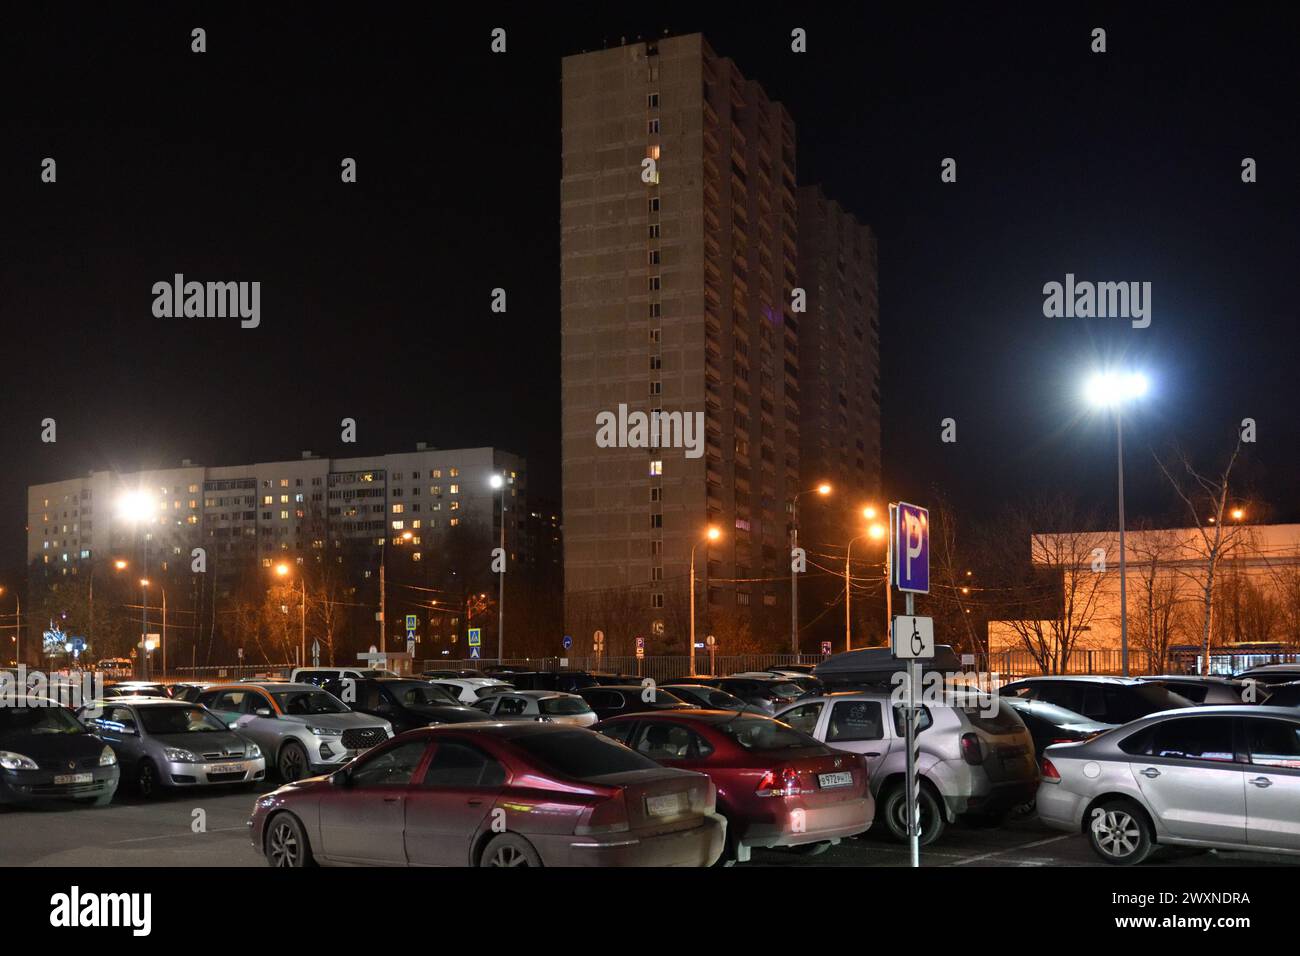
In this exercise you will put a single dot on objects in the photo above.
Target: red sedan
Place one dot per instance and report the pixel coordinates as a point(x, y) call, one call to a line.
point(777, 787)
point(494, 794)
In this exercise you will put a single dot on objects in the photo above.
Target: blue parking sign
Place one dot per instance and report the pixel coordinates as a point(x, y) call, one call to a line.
point(911, 548)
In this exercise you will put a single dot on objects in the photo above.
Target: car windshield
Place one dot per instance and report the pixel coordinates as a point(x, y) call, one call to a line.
point(581, 754)
point(785, 689)
point(1160, 698)
point(306, 702)
point(1055, 715)
point(762, 733)
point(489, 691)
point(179, 720)
point(418, 694)
point(563, 706)
point(38, 720)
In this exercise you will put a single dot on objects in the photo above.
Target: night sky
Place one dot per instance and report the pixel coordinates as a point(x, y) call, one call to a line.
point(1123, 166)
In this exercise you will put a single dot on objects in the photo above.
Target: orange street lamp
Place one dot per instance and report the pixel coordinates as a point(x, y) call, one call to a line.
point(710, 534)
point(822, 489)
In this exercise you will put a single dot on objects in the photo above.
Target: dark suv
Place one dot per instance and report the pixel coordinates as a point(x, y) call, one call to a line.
point(770, 693)
point(566, 682)
point(1111, 700)
point(405, 702)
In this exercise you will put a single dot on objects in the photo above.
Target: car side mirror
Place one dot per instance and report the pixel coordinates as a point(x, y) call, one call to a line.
point(340, 778)
point(233, 725)
point(263, 712)
point(129, 731)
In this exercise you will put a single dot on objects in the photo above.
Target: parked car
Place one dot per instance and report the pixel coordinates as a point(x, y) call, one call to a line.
point(1112, 700)
point(976, 759)
point(806, 683)
point(1052, 724)
point(136, 688)
point(767, 693)
point(567, 682)
point(1204, 690)
point(168, 743)
point(793, 669)
point(319, 675)
point(469, 690)
point(776, 786)
point(300, 728)
point(1272, 673)
point(607, 680)
point(1284, 695)
point(404, 702)
point(463, 672)
point(710, 698)
point(1224, 777)
point(189, 691)
point(538, 705)
point(505, 794)
point(630, 698)
point(47, 755)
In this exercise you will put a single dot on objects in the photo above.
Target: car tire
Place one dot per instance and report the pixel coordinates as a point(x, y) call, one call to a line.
point(147, 784)
point(1119, 832)
point(291, 764)
point(509, 849)
point(893, 809)
point(286, 843)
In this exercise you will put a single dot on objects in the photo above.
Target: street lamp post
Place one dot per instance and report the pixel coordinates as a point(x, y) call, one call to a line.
point(711, 535)
point(18, 616)
point(499, 483)
point(822, 489)
point(1111, 390)
point(875, 531)
point(283, 570)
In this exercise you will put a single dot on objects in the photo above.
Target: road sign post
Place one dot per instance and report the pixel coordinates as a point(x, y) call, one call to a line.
point(911, 637)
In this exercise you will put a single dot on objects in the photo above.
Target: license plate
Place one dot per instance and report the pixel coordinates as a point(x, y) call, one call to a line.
point(666, 805)
point(841, 779)
point(227, 768)
point(67, 778)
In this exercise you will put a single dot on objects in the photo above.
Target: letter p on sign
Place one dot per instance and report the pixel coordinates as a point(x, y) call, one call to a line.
point(911, 548)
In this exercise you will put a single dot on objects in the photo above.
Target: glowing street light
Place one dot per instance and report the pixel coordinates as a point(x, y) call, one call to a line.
point(1238, 514)
point(1111, 390)
point(711, 534)
point(875, 531)
point(498, 483)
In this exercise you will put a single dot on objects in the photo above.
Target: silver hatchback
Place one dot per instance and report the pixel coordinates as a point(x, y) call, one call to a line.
point(163, 743)
point(1224, 777)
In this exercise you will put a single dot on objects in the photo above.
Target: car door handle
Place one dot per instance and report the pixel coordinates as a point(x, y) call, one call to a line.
point(1151, 772)
point(473, 803)
point(1262, 782)
point(872, 753)
point(391, 799)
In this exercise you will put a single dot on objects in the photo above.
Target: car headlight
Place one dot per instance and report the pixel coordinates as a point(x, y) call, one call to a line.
point(177, 755)
point(107, 758)
point(12, 761)
point(325, 731)
point(254, 751)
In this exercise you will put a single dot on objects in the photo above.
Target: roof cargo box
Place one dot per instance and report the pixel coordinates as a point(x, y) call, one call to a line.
point(877, 665)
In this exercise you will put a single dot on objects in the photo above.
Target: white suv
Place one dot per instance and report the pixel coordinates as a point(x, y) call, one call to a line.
point(976, 759)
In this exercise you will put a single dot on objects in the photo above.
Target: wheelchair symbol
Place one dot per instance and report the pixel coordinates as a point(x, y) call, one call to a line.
point(918, 643)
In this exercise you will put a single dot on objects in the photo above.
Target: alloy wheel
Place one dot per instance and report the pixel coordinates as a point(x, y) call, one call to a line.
point(285, 851)
point(292, 763)
point(508, 856)
point(1117, 833)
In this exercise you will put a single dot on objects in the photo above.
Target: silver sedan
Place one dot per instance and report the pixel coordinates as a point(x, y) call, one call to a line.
point(1224, 777)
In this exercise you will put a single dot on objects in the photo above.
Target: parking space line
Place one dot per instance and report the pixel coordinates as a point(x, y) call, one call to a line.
point(1013, 849)
point(168, 836)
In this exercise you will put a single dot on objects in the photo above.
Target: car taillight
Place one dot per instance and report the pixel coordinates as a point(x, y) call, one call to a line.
point(783, 782)
point(972, 751)
point(607, 816)
point(1049, 772)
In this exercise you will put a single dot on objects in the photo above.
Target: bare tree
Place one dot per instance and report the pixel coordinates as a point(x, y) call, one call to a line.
point(1206, 499)
point(1156, 553)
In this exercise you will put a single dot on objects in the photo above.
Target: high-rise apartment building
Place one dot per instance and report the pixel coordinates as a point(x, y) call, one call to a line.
point(678, 257)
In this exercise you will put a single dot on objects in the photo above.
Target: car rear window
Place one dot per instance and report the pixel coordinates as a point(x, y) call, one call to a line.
point(581, 754)
point(763, 733)
point(563, 706)
point(1002, 720)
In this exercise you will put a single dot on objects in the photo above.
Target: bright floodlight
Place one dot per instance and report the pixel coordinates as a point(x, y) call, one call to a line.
point(868, 512)
point(1111, 388)
point(713, 534)
point(282, 569)
point(876, 531)
point(496, 481)
point(134, 506)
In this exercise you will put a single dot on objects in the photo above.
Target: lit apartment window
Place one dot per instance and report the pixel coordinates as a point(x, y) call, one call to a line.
point(284, 515)
point(454, 522)
point(656, 467)
point(435, 473)
point(453, 472)
point(652, 152)
point(453, 489)
point(284, 499)
point(398, 509)
point(284, 482)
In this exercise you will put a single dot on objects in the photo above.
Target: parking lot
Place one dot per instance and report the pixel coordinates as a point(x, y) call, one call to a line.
point(162, 833)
